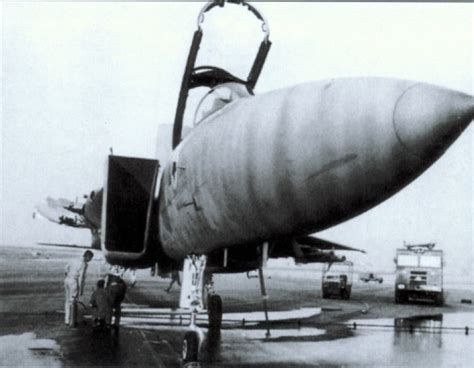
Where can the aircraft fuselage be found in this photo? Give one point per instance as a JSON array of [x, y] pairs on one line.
[[302, 159]]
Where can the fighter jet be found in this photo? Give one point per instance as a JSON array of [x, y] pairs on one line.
[[259, 173]]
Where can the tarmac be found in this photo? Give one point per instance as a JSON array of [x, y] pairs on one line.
[[306, 330]]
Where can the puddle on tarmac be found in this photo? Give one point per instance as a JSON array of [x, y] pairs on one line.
[[259, 334], [273, 316], [26, 350], [438, 341], [435, 340]]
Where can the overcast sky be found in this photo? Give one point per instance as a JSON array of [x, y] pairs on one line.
[[79, 78]]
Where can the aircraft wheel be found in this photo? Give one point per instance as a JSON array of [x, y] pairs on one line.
[[190, 350], [214, 307]]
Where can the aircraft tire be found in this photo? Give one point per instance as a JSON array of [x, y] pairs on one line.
[[190, 348], [214, 307]]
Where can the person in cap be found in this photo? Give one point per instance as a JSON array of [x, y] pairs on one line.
[[74, 284]]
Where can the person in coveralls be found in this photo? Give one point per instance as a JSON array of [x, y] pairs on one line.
[[102, 308], [116, 290]]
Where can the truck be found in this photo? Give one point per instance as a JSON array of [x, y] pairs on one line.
[[419, 273], [337, 280]]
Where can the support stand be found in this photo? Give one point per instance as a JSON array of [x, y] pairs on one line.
[[264, 299]]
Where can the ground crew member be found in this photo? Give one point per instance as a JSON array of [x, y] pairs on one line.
[[174, 278], [116, 289], [74, 284], [100, 303]]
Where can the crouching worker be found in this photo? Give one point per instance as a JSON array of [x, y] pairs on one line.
[[116, 288], [102, 308]]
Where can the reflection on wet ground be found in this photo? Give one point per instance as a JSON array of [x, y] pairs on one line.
[[376, 342], [28, 351], [434, 340]]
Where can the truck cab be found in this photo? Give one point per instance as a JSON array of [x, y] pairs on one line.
[[337, 280], [419, 273]]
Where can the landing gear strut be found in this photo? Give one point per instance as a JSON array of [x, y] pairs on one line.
[[192, 299]]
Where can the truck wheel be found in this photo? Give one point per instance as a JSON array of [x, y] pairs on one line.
[[190, 349], [344, 294], [398, 297]]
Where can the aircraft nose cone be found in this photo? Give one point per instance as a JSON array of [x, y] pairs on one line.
[[427, 119]]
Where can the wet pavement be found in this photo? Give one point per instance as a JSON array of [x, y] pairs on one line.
[[306, 331]]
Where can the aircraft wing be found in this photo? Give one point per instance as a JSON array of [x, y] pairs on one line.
[[309, 249], [65, 245], [321, 244], [54, 210]]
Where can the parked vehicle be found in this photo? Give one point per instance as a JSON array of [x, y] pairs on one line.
[[419, 273], [369, 276], [337, 280]]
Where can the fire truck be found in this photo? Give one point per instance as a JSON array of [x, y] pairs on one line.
[[419, 273]]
